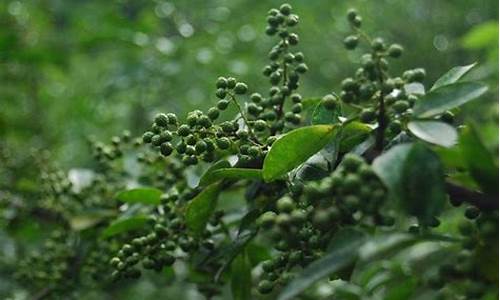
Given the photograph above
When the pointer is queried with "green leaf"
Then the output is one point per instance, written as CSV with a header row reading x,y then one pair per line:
x,y
231,173
200,208
124,225
389,166
353,134
342,253
415,178
423,183
482,36
310,103
246,232
321,115
141,195
294,148
241,277
479,161
86,220
315,168
308,106
452,76
451,157
206,179
402,290
434,132
447,97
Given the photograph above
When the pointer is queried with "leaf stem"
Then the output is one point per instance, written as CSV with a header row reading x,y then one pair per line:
x,y
245,120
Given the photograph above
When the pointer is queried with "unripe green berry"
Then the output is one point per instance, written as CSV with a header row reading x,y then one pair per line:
x,y
285,204
447,117
297,108
267,219
357,21
260,125
351,42
352,162
400,106
253,109
200,147
293,39
395,50
349,84
285,9
378,44
147,137
265,287
220,93
351,14
395,127
115,261
222,104
330,102
268,266
161,120
231,83
352,183
183,130
472,212
221,83
292,20
367,115
256,98
223,143
166,136
289,57
192,120
271,30
240,88
204,121
156,140
166,149
419,75
296,98
191,140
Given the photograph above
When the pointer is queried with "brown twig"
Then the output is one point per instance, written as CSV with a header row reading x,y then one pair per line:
x,y
480,200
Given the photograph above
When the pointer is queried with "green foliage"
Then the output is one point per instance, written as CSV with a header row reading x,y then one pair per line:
x,y
434,132
448,97
201,207
343,252
373,191
141,195
124,225
289,151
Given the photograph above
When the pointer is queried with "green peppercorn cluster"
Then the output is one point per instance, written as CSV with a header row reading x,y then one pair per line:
x,y
200,137
160,246
284,72
250,134
467,268
104,154
381,98
304,221
50,266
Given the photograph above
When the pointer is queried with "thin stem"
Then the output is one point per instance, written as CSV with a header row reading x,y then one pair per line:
x,y
362,34
285,79
480,200
379,142
245,120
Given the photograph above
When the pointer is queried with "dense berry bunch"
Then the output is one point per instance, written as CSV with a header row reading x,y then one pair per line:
x,y
302,223
163,214
51,266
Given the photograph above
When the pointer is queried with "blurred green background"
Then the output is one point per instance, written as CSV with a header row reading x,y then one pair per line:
x,y
70,69
74,69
